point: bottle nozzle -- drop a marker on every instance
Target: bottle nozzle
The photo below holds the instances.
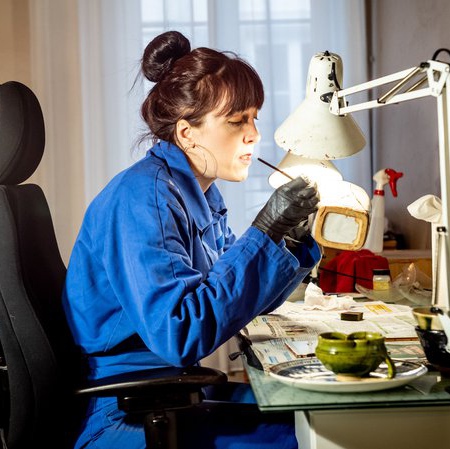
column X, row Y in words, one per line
column 393, row 178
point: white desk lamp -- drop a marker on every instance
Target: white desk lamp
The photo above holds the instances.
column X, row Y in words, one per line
column 310, row 131
column 430, row 78
column 312, row 136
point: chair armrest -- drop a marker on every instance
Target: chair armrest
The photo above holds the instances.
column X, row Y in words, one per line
column 152, row 379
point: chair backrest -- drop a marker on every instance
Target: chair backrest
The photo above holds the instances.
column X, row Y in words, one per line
column 39, row 360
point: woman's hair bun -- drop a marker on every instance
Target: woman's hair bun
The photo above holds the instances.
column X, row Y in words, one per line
column 162, row 52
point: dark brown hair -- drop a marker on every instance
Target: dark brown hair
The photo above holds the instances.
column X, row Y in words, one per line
column 190, row 84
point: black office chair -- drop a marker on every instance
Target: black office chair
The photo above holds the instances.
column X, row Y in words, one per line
column 41, row 397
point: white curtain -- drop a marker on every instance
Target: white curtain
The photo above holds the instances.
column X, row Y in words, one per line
column 86, row 55
column 55, row 79
column 110, row 50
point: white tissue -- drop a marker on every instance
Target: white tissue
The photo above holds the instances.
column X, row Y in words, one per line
column 427, row 208
column 315, row 299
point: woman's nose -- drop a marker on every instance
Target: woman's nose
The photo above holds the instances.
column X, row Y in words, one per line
column 253, row 135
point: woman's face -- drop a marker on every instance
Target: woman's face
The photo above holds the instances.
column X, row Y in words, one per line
column 224, row 146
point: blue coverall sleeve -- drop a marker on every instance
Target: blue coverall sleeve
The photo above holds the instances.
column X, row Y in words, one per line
column 183, row 306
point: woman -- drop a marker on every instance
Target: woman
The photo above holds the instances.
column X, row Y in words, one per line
column 156, row 277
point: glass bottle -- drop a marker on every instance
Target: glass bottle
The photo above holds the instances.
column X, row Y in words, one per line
column 381, row 279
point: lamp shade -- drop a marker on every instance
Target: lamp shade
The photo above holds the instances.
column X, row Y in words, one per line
column 312, row 131
column 314, row 170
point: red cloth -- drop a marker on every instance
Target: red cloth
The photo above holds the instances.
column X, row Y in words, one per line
column 341, row 273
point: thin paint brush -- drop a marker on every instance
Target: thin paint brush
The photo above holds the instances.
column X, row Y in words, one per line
column 275, row 168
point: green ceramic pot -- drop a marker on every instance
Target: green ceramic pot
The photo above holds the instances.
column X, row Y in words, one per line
column 426, row 319
column 355, row 355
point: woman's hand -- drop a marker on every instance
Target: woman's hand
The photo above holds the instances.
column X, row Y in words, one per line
column 289, row 205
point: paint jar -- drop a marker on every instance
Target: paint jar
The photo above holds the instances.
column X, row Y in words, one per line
column 381, row 279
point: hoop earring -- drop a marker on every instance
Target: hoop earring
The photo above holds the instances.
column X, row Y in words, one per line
column 189, row 147
column 204, row 159
column 203, row 152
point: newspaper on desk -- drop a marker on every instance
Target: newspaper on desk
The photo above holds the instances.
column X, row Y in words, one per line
column 291, row 331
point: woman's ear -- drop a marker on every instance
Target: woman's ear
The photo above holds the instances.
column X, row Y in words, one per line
column 184, row 134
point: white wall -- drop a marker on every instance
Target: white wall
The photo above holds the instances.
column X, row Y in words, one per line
column 407, row 32
column 39, row 47
column 14, row 41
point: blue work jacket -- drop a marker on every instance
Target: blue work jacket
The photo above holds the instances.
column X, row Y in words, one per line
column 156, row 277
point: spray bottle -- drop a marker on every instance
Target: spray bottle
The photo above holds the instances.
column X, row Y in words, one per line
column 374, row 240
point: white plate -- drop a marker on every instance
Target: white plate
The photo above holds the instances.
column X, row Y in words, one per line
column 310, row 374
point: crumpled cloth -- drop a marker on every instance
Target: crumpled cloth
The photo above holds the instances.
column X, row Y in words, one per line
column 316, row 300
column 427, row 208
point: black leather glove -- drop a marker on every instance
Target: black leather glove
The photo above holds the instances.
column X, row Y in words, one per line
column 298, row 233
column 286, row 208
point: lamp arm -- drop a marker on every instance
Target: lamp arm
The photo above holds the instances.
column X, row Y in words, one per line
column 399, row 98
column 443, row 104
column 437, row 76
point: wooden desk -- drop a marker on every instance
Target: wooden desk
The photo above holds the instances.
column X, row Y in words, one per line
column 416, row 416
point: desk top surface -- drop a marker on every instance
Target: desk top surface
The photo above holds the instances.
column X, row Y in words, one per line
column 272, row 395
